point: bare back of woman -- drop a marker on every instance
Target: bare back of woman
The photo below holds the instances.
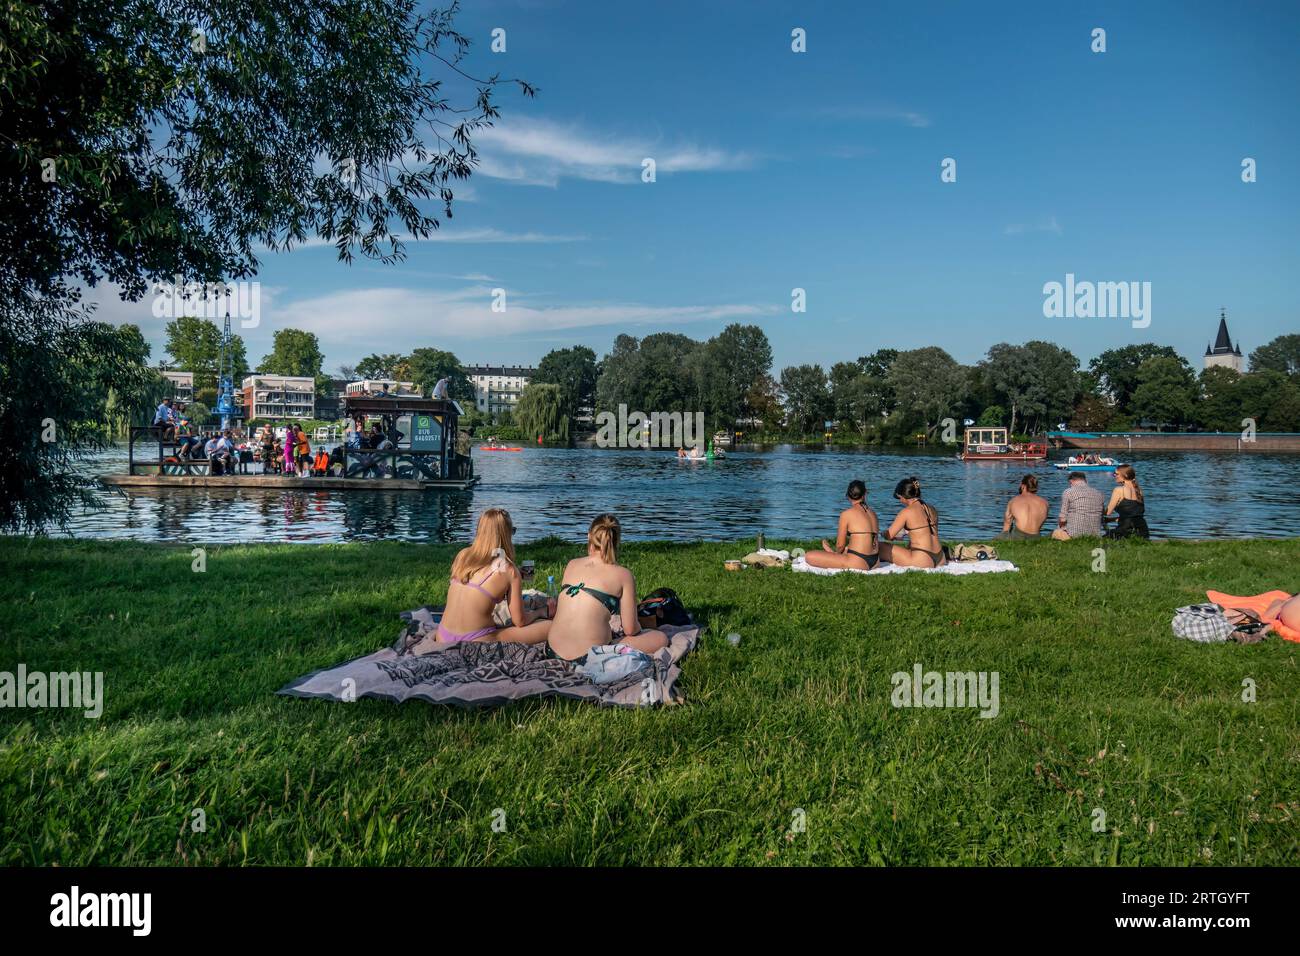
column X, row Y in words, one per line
column 920, row 523
column 857, row 542
column 595, row 587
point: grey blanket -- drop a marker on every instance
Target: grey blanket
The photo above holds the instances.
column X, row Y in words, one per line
column 477, row 674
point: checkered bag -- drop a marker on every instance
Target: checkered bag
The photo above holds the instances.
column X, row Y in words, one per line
column 1203, row 623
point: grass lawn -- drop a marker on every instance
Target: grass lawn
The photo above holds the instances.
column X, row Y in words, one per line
column 1101, row 708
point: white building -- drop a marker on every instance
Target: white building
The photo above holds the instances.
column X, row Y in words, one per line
column 497, row 387
column 279, row 396
column 182, row 385
column 383, row 386
column 1223, row 352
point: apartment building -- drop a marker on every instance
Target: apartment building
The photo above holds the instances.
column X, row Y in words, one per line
column 182, row 385
column 497, row 387
column 279, row 396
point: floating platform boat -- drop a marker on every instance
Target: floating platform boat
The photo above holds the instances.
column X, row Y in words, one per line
column 991, row 444
column 285, row 482
column 427, row 459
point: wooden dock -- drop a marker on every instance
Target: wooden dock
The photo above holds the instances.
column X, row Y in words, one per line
column 288, row 482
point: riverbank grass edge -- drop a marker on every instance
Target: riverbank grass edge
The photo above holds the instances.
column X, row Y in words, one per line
column 1114, row 742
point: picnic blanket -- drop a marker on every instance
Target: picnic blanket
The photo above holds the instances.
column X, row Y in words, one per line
column 485, row 674
column 954, row 567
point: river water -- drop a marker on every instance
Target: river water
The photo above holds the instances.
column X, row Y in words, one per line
column 785, row 492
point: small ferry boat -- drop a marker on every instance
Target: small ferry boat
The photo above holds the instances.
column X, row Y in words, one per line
column 991, row 444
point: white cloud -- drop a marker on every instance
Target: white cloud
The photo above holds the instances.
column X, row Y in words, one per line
column 1021, row 228
column 887, row 114
column 540, row 152
column 354, row 322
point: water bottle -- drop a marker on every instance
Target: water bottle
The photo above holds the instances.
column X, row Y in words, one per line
column 550, row 586
column 760, row 541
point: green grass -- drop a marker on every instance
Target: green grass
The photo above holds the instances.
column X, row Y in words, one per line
column 1101, row 707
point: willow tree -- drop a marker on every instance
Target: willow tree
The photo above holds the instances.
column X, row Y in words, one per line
column 542, row 412
column 151, row 141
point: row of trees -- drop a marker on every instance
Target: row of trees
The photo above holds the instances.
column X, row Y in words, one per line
column 891, row 395
column 885, row 396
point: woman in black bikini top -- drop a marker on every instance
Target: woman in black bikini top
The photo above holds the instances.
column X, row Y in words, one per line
column 857, row 543
column 908, row 492
column 594, row 588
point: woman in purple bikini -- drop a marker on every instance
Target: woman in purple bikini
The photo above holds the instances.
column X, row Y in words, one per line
column 483, row 575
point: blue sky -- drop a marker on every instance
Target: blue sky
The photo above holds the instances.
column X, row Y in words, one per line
column 820, row 170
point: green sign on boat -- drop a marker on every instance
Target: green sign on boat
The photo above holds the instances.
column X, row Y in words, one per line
column 426, row 433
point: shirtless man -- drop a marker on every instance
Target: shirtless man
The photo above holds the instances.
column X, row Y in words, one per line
column 1027, row 511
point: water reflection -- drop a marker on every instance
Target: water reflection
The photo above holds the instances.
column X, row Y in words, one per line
column 783, row 491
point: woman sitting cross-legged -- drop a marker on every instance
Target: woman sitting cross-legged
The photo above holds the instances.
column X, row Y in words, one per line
column 920, row 522
column 595, row 587
column 481, row 576
column 857, row 541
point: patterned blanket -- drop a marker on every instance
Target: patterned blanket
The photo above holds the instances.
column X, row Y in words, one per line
column 953, row 567
column 475, row 674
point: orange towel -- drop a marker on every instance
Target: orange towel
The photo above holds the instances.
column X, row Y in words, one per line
column 1259, row 605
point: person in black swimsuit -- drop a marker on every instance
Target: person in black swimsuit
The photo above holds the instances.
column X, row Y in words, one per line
column 857, row 541
column 920, row 522
column 1127, row 507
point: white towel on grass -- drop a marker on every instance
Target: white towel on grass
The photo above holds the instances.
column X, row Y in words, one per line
column 954, row 567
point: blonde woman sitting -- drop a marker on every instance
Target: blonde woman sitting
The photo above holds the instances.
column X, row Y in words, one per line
column 481, row 576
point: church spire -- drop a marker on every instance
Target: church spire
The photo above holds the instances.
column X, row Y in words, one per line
column 1222, row 344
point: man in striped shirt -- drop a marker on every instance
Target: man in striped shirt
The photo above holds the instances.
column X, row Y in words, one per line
column 1081, row 510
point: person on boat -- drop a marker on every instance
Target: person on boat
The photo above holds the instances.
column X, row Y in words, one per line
column 1026, row 511
column 1126, row 507
column 857, row 542
column 302, row 450
column 595, row 587
column 483, row 575
column 266, row 439
column 1081, row 510
column 164, row 421
column 920, row 522
column 287, row 446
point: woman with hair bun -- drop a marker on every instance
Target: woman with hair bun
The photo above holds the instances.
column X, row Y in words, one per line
column 596, row 587
column 857, row 543
column 920, row 522
column 1126, row 506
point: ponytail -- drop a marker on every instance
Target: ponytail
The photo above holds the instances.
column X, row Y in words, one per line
column 604, row 536
column 1127, row 473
